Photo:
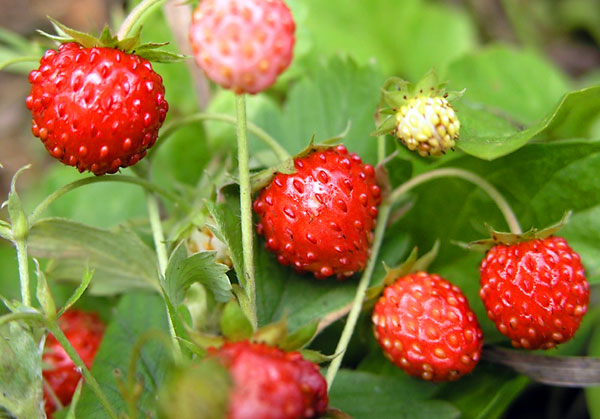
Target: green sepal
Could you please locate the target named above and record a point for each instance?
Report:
(315, 357)
(272, 334)
(43, 293)
(85, 39)
(386, 127)
(235, 326)
(412, 264)
(263, 178)
(161, 56)
(300, 338)
(510, 239)
(18, 219)
(85, 281)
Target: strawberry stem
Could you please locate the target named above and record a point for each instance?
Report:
(503, 206)
(246, 210)
(365, 280)
(23, 262)
(147, 185)
(381, 148)
(262, 135)
(134, 16)
(87, 375)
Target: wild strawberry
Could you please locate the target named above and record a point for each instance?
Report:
(427, 125)
(271, 384)
(84, 331)
(420, 116)
(98, 109)
(535, 291)
(243, 45)
(425, 326)
(319, 219)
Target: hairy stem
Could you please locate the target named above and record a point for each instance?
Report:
(381, 148)
(271, 142)
(89, 378)
(488, 188)
(246, 208)
(23, 262)
(147, 185)
(340, 350)
(134, 16)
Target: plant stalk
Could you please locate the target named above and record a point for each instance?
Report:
(89, 378)
(23, 262)
(365, 280)
(248, 282)
(134, 16)
(507, 212)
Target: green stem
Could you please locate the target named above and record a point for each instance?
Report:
(23, 262)
(163, 257)
(381, 148)
(365, 280)
(271, 142)
(89, 378)
(149, 186)
(134, 16)
(246, 208)
(493, 193)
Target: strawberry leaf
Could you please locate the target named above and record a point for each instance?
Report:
(21, 377)
(202, 267)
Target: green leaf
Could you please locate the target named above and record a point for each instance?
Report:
(202, 267)
(488, 135)
(228, 229)
(21, 372)
(135, 314)
(235, 326)
(161, 56)
(486, 393)
(518, 83)
(365, 395)
(120, 260)
(407, 38)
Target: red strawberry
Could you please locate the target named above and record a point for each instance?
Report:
(243, 45)
(425, 326)
(96, 108)
(535, 291)
(84, 331)
(320, 218)
(271, 384)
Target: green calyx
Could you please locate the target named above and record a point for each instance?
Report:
(411, 265)
(510, 239)
(129, 45)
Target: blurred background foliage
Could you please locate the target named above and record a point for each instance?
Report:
(515, 57)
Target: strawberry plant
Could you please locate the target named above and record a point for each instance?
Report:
(226, 218)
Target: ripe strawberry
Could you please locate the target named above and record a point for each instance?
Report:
(535, 291)
(84, 331)
(271, 384)
(96, 108)
(243, 45)
(320, 218)
(425, 326)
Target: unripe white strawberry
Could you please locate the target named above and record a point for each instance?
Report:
(420, 116)
(428, 125)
